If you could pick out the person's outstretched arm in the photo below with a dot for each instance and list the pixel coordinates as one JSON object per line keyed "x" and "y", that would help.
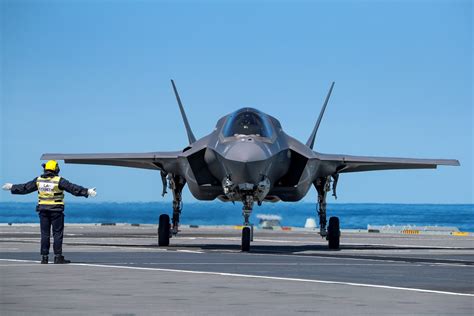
{"x": 24, "y": 188}
{"x": 72, "y": 188}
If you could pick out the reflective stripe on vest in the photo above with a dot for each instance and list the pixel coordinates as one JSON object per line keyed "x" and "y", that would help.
{"x": 49, "y": 192}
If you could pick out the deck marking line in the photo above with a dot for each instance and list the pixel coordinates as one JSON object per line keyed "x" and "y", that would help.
{"x": 250, "y": 276}
{"x": 189, "y": 251}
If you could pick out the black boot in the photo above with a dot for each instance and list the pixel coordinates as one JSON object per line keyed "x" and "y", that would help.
{"x": 59, "y": 259}
{"x": 44, "y": 260}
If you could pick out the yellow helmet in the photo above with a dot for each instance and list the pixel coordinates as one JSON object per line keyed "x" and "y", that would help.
{"x": 51, "y": 165}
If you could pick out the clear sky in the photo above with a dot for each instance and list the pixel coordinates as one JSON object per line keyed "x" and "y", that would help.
{"x": 93, "y": 76}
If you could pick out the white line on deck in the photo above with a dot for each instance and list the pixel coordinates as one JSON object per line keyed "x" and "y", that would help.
{"x": 189, "y": 251}
{"x": 19, "y": 265}
{"x": 250, "y": 276}
{"x": 254, "y": 263}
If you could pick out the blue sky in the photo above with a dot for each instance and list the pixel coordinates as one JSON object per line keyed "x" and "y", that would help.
{"x": 93, "y": 76}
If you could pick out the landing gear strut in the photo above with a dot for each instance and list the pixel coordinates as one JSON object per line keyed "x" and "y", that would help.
{"x": 248, "y": 193}
{"x": 247, "y": 230}
{"x": 332, "y": 233}
{"x": 176, "y": 185}
{"x": 165, "y": 230}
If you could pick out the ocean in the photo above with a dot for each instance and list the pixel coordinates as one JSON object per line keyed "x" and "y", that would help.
{"x": 352, "y": 216}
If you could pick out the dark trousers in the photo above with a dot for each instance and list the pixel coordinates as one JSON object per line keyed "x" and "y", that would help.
{"x": 50, "y": 219}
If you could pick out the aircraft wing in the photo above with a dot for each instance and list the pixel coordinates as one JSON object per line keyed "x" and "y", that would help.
{"x": 165, "y": 161}
{"x": 347, "y": 163}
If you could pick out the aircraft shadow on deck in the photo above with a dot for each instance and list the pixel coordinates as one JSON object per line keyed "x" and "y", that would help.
{"x": 264, "y": 248}
{"x": 302, "y": 250}
{"x": 279, "y": 249}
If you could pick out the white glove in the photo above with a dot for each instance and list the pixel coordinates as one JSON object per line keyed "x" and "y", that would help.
{"x": 7, "y": 186}
{"x": 91, "y": 192}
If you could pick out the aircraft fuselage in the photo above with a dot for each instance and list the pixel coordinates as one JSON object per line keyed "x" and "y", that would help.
{"x": 246, "y": 160}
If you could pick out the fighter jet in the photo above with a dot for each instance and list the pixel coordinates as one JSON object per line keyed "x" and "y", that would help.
{"x": 248, "y": 158}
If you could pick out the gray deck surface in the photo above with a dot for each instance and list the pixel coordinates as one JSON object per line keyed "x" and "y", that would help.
{"x": 119, "y": 270}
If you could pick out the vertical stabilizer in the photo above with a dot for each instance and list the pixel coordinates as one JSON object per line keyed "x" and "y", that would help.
{"x": 191, "y": 137}
{"x": 312, "y": 137}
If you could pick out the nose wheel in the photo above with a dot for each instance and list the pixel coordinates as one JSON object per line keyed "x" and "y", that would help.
{"x": 246, "y": 238}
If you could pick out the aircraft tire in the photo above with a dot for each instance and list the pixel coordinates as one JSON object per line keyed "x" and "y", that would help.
{"x": 164, "y": 230}
{"x": 246, "y": 239}
{"x": 334, "y": 233}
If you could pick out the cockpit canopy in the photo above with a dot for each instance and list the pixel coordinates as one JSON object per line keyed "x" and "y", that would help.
{"x": 248, "y": 121}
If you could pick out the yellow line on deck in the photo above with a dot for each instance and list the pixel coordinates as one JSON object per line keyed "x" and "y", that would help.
{"x": 411, "y": 231}
{"x": 460, "y": 233}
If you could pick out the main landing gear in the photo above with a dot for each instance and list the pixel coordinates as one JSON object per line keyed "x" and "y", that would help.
{"x": 332, "y": 233}
{"x": 165, "y": 229}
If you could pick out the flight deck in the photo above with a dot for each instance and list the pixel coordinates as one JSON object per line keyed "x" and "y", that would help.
{"x": 120, "y": 270}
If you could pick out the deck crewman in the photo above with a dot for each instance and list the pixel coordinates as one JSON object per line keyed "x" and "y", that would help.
{"x": 50, "y": 208}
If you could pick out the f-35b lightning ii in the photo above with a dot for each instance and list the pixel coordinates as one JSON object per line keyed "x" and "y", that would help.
{"x": 249, "y": 158}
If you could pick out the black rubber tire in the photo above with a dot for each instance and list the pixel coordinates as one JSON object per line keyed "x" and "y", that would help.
{"x": 246, "y": 239}
{"x": 334, "y": 233}
{"x": 164, "y": 230}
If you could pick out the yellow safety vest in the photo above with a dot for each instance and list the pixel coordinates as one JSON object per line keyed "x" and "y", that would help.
{"x": 49, "y": 192}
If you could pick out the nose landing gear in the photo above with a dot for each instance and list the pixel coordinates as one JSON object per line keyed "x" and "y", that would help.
{"x": 248, "y": 193}
{"x": 247, "y": 231}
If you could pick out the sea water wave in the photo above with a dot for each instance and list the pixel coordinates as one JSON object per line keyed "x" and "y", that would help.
{"x": 356, "y": 216}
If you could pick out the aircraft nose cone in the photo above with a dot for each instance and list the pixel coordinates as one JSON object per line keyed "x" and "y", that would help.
{"x": 247, "y": 161}
{"x": 247, "y": 151}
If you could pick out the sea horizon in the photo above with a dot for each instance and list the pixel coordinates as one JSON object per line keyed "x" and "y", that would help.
{"x": 352, "y": 215}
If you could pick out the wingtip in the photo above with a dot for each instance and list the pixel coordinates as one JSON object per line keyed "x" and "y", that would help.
{"x": 450, "y": 162}
{"x": 50, "y": 156}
